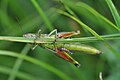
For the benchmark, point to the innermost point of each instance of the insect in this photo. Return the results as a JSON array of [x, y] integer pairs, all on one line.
[[63, 50]]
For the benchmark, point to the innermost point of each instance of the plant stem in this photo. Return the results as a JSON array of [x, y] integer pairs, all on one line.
[[51, 40]]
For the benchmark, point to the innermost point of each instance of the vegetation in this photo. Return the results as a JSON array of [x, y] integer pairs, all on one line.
[[97, 20]]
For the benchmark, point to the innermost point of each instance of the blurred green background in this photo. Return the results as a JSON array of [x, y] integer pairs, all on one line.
[[18, 17]]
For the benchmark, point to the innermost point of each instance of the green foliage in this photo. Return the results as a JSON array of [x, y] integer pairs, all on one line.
[[98, 21]]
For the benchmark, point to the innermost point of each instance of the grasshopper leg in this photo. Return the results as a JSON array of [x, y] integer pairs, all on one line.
[[37, 36], [56, 36], [64, 55], [55, 30], [66, 50]]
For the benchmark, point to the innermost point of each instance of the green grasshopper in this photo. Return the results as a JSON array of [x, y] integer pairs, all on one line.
[[62, 50]]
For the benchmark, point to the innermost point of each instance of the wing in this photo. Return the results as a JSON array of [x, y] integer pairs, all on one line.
[[64, 34], [67, 34]]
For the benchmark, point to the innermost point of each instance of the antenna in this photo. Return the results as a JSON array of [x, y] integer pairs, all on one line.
[[19, 25], [22, 29]]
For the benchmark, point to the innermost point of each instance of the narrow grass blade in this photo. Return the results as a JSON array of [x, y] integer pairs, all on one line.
[[42, 14], [68, 9], [114, 12], [97, 14], [91, 10], [50, 40], [19, 74], [81, 23], [37, 62], [18, 63]]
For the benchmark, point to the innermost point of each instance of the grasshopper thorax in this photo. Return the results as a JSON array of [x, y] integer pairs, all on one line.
[[29, 35]]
